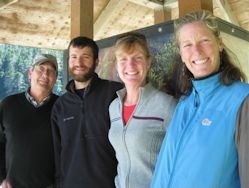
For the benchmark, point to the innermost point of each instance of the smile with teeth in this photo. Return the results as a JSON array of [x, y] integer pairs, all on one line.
[[131, 73], [201, 61]]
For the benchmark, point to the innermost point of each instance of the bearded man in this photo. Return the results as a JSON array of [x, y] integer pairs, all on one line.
[[84, 156]]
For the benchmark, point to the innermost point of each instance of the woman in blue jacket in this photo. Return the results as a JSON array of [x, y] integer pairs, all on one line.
[[206, 145]]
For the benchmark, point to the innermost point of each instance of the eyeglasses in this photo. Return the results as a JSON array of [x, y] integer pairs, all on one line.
[[43, 70]]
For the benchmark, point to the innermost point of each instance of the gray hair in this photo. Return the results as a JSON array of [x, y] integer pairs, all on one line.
[[204, 16]]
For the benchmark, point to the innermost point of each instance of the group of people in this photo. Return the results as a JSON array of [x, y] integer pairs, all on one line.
[[102, 133]]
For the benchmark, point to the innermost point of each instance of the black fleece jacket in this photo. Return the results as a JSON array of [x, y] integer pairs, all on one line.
[[80, 124]]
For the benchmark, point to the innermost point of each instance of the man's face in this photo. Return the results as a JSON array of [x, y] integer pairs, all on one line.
[[81, 63], [43, 77]]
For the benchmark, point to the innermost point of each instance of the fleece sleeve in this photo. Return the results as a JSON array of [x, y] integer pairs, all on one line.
[[57, 146], [2, 146], [242, 140]]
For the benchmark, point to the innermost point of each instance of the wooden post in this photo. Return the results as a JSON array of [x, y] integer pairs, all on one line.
[[82, 18], [187, 6], [6, 3], [161, 15]]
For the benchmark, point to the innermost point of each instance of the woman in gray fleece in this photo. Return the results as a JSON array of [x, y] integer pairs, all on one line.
[[139, 115]]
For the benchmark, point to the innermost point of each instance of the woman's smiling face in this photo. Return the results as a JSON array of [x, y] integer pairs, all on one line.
[[199, 49], [133, 66]]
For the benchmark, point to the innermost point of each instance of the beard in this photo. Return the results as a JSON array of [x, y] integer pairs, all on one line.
[[85, 76]]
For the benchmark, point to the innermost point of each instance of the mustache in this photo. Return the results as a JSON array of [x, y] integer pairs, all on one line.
[[79, 66]]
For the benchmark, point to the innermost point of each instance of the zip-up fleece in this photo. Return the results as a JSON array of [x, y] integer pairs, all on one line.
[[199, 150], [137, 143], [84, 156]]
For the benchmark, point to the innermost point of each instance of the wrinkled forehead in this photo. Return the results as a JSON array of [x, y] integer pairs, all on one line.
[[203, 28]]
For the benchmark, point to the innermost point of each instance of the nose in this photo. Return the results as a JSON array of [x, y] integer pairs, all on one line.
[[131, 62], [45, 73], [197, 48], [48, 72], [77, 61]]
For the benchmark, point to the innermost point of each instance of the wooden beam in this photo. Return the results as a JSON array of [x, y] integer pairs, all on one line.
[[171, 4], [226, 9], [113, 7], [81, 18], [162, 15], [162, 9], [187, 6], [160, 2], [147, 3], [6, 3]]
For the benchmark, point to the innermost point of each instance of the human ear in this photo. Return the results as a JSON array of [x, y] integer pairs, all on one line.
[[221, 45]]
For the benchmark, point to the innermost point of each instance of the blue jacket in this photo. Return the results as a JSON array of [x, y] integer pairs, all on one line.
[[199, 150]]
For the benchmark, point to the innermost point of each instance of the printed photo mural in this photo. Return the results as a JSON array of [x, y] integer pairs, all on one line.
[[163, 50]]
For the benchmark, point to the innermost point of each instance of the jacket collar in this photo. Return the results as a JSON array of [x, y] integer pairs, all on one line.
[[144, 92], [207, 85]]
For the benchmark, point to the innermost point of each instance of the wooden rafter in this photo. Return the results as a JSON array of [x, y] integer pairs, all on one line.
[[171, 4], [106, 15], [147, 3], [226, 9], [6, 3]]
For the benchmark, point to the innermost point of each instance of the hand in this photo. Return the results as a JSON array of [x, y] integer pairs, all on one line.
[[5, 184]]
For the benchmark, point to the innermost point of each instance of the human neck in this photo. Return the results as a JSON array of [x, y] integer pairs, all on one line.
[[131, 97], [39, 95], [81, 85]]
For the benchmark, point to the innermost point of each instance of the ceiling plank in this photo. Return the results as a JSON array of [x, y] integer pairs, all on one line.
[[171, 4], [112, 8], [47, 23], [6, 3], [227, 12], [147, 3]]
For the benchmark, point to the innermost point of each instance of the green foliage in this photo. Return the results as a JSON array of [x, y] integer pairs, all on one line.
[[162, 64]]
